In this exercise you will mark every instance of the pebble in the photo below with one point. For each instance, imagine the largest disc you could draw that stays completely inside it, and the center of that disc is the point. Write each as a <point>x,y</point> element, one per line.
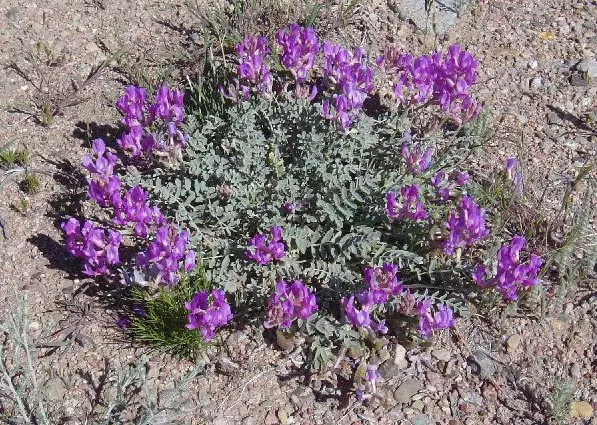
<point>554,119</point>
<point>441,354</point>
<point>481,364</point>
<point>55,389</point>
<point>533,64</point>
<point>512,343</point>
<point>220,420</point>
<point>577,80</point>
<point>589,66</point>
<point>420,419</point>
<point>407,389</point>
<point>581,409</point>
<point>536,83</point>
<point>575,371</point>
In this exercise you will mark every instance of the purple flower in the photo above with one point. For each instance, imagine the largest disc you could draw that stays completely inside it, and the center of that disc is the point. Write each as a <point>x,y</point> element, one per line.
<point>417,159</point>
<point>441,80</point>
<point>98,250</point>
<point>352,80</point>
<point>512,275</point>
<point>514,174</point>
<point>152,128</point>
<point>166,255</point>
<point>133,208</point>
<point>409,207</point>
<point>361,317</point>
<point>300,47</point>
<point>167,105</point>
<point>208,312</point>
<point>123,322</point>
<point>466,226</point>
<point>103,184</point>
<point>289,207</point>
<point>429,321</point>
<point>252,69</point>
<point>263,251</point>
<point>460,177</point>
<point>133,106</point>
<point>382,281</point>
<point>289,302</point>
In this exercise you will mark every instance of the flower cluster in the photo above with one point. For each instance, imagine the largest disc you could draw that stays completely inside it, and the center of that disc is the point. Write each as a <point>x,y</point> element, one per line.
<point>133,208</point>
<point>445,184</point>
<point>263,252</point>
<point>152,128</point>
<point>252,68</point>
<point>98,250</point>
<point>511,275</point>
<point>466,226</point>
<point>168,248</point>
<point>382,281</point>
<point>444,80</point>
<point>352,79</point>
<point>289,302</point>
<point>300,47</point>
<point>103,184</point>
<point>361,317</point>
<point>207,312</point>
<point>165,255</point>
<point>443,318</point>
<point>418,159</point>
<point>409,207</point>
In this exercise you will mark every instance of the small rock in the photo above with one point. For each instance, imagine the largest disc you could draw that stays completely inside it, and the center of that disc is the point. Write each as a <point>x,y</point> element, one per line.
<point>270,418</point>
<point>392,367</point>
<point>420,419</point>
<point>554,119</point>
<point>512,343</point>
<point>577,80</point>
<point>55,389</point>
<point>227,366</point>
<point>283,417</point>
<point>575,371</point>
<point>481,364</point>
<point>407,389</point>
<point>220,420</point>
<point>473,398</point>
<point>588,66</point>
<point>581,409</point>
<point>536,83</point>
<point>442,355</point>
<point>533,64</point>
<point>249,420</point>
<point>418,405</point>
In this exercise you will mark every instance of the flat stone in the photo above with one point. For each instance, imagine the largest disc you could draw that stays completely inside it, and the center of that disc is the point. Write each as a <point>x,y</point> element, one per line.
<point>512,343</point>
<point>407,389</point>
<point>55,389</point>
<point>575,371</point>
<point>481,364</point>
<point>588,66</point>
<point>577,80</point>
<point>420,419</point>
<point>581,409</point>
<point>441,17</point>
<point>441,354</point>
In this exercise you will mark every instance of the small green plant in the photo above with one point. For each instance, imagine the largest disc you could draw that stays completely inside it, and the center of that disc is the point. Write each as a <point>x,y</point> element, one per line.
<point>159,317</point>
<point>30,184</point>
<point>563,394</point>
<point>10,157</point>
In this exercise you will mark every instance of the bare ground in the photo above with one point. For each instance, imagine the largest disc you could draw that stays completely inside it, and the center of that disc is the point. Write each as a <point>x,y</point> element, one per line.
<point>518,43</point>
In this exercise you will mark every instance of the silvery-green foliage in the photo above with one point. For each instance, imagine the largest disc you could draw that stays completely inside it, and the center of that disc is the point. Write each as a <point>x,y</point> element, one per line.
<point>241,167</point>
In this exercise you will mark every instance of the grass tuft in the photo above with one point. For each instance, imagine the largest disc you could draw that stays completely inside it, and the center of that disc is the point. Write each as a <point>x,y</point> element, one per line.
<point>163,324</point>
